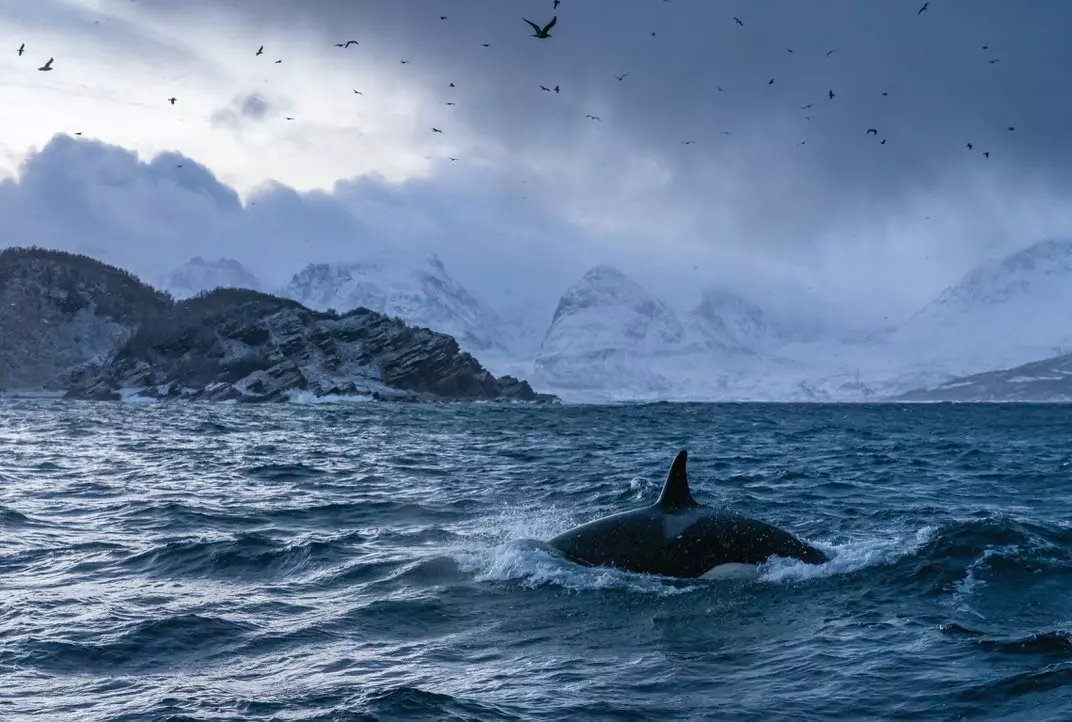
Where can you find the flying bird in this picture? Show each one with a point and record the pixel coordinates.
(436, 130)
(986, 47)
(969, 146)
(556, 89)
(78, 133)
(986, 154)
(809, 105)
(738, 21)
(452, 159)
(450, 103)
(340, 45)
(555, 4)
(544, 87)
(358, 92)
(802, 142)
(21, 50)
(829, 53)
(871, 131)
(831, 94)
(451, 85)
(442, 17)
(925, 6)
(884, 93)
(350, 42)
(278, 62)
(172, 100)
(687, 142)
(260, 51)
(290, 118)
(1012, 127)
(622, 77)
(47, 66)
(545, 31)
(403, 61)
(995, 60)
(770, 82)
(883, 142)
(486, 45)
(789, 50)
(593, 117)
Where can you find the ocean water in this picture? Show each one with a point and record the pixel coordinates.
(368, 561)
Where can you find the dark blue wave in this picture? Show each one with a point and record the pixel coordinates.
(387, 562)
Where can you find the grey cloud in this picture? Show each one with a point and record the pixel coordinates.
(246, 107)
(89, 197)
(842, 212)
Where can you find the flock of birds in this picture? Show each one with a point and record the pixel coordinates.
(543, 32)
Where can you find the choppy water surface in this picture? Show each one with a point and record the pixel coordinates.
(374, 562)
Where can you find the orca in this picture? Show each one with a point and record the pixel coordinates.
(678, 537)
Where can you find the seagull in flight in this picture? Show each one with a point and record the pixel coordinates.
(450, 103)
(738, 21)
(925, 6)
(986, 154)
(555, 4)
(278, 62)
(831, 94)
(260, 50)
(621, 77)
(545, 31)
(687, 142)
(594, 117)
(172, 100)
(829, 53)
(557, 89)
(21, 50)
(969, 146)
(47, 66)
(358, 92)
(809, 105)
(348, 43)
(544, 87)
(436, 130)
(871, 131)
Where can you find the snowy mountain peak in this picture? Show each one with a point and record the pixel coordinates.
(737, 321)
(198, 275)
(418, 290)
(1044, 267)
(606, 311)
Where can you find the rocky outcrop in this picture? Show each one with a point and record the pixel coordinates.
(227, 344)
(1046, 381)
(62, 312)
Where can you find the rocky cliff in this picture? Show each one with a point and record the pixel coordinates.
(94, 331)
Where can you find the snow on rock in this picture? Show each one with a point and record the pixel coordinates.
(417, 290)
(1049, 380)
(74, 325)
(198, 275)
(233, 344)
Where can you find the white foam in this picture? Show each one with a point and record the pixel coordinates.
(848, 557)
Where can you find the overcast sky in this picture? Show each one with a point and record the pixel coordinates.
(769, 196)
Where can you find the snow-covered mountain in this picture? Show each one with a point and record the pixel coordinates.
(417, 290)
(1003, 313)
(611, 335)
(198, 275)
(735, 320)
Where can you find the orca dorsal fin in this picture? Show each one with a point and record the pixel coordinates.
(676, 495)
